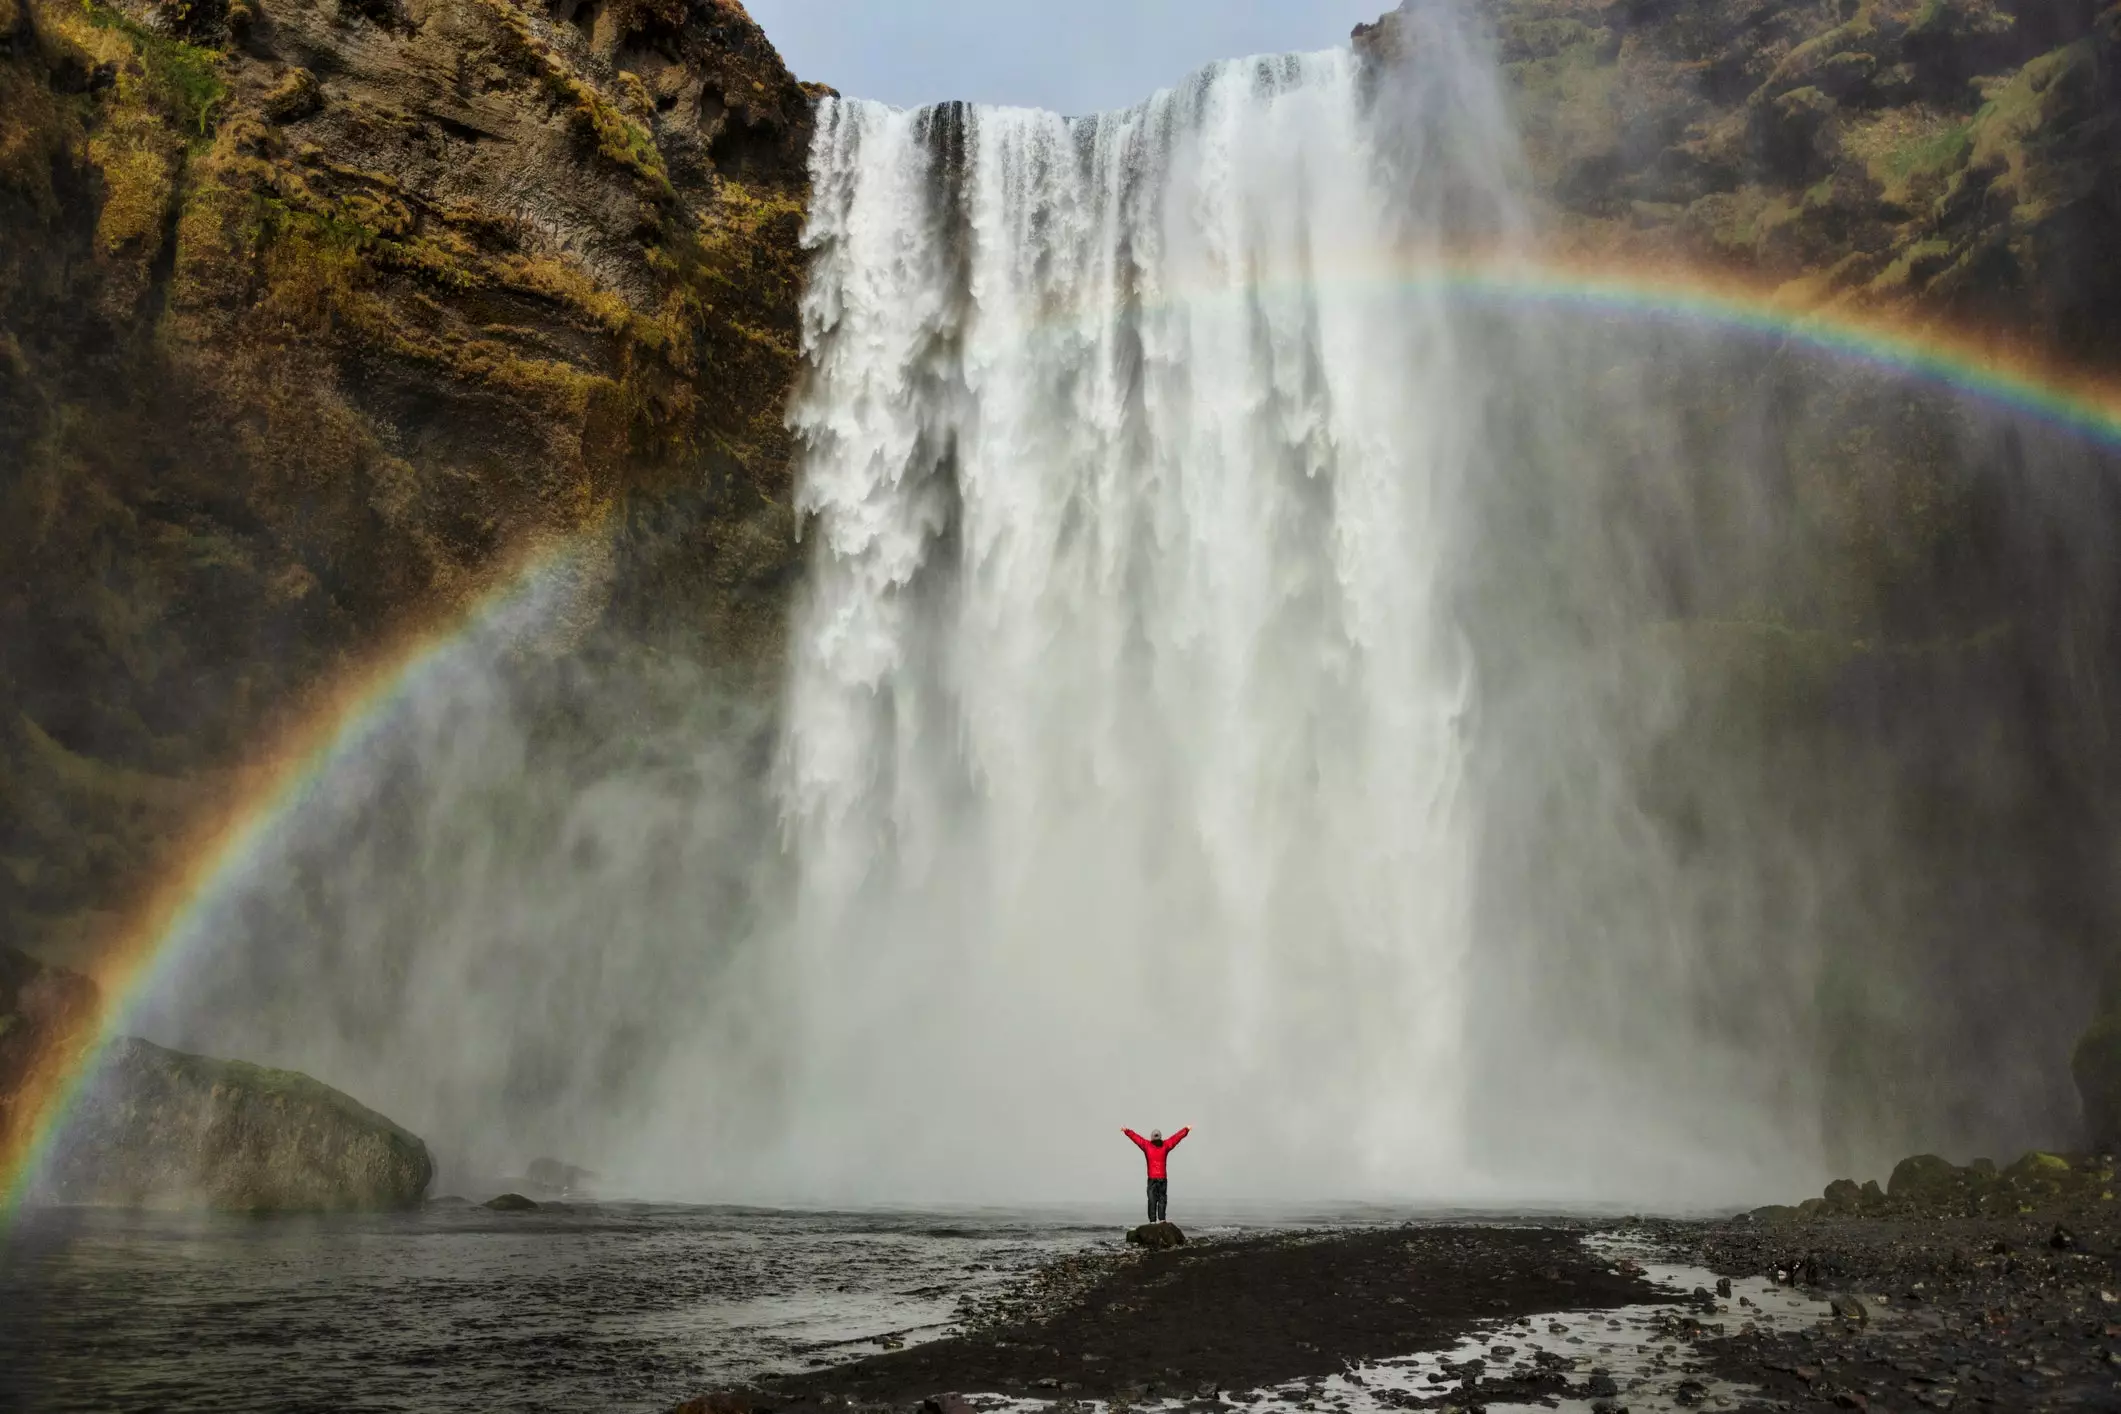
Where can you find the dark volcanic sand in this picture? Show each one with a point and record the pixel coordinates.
(1967, 1314)
(1236, 1315)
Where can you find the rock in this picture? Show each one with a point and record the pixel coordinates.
(1601, 1385)
(1849, 1308)
(294, 98)
(408, 296)
(1723, 1287)
(1926, 1179)
(1157, 1237)
(1843, 1196)
(946, 1404)
(2095, 1064)
(509, 1203)
(2062, 1239)
(161, 1128)
(48, 1017)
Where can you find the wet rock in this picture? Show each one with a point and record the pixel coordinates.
(1843, 1195)
(1849, 1308)
(1723, 1287)
(1157, 1237)
(2062, 1239)
(509, 1203)
(946, 1404)
(162, 1128)
(1601, 1385)
(1926, 1179)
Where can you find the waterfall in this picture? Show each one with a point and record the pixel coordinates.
(1126, 734)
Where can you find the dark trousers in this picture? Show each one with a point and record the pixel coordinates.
(1159, 1198)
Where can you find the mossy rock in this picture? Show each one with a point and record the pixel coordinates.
(166, 1129)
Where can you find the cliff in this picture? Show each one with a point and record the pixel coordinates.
(1950, 158)
(314, 315)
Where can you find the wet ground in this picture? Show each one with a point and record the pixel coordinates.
(620, 1307)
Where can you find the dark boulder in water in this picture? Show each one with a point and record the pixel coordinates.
(160, 1128)
(1157, 1237)
(509, 1203)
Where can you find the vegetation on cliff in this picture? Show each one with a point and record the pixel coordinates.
(1957, 157)
(311, 316)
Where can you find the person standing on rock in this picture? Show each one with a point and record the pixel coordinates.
(1157, 1150)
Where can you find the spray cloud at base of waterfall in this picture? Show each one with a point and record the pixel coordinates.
(1438, 747)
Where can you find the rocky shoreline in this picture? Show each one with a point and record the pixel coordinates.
(1950, 1288)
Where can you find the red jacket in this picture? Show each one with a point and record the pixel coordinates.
(1157, 1153)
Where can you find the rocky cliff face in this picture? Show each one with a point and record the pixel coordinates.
(312, 316)
(46, 1014)
(1956, 158)
(159, 1128)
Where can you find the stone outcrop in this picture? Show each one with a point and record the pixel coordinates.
(313, 317)
(160, 1128)
(1928, 1186)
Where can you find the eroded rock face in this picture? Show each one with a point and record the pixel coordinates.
(1956, 157)
(314, 315)
(160, 1128)
(47, 1016)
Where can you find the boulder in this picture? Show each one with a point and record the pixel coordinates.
(509, 1203)
(1925, 1180)
(161, 1128)
(2095, 1064)
(1157, 1237)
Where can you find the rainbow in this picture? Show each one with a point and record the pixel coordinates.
(155, 935)
(214, 856)
(1999, 371)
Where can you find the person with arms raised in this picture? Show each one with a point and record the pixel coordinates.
(1157, 1150)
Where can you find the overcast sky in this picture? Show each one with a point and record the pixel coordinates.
(1077, 56)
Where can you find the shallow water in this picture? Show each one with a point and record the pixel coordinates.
(620, 1306)
(605, 1307)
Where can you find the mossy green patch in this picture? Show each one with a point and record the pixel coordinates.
(185, 78)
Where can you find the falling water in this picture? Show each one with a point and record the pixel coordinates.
(1126, 737)
(1436, 748)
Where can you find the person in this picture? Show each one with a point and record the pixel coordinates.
(1157, 1150)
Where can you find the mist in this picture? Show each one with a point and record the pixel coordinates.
(1444, 749)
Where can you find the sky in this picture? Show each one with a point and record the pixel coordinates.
(1075, 56)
